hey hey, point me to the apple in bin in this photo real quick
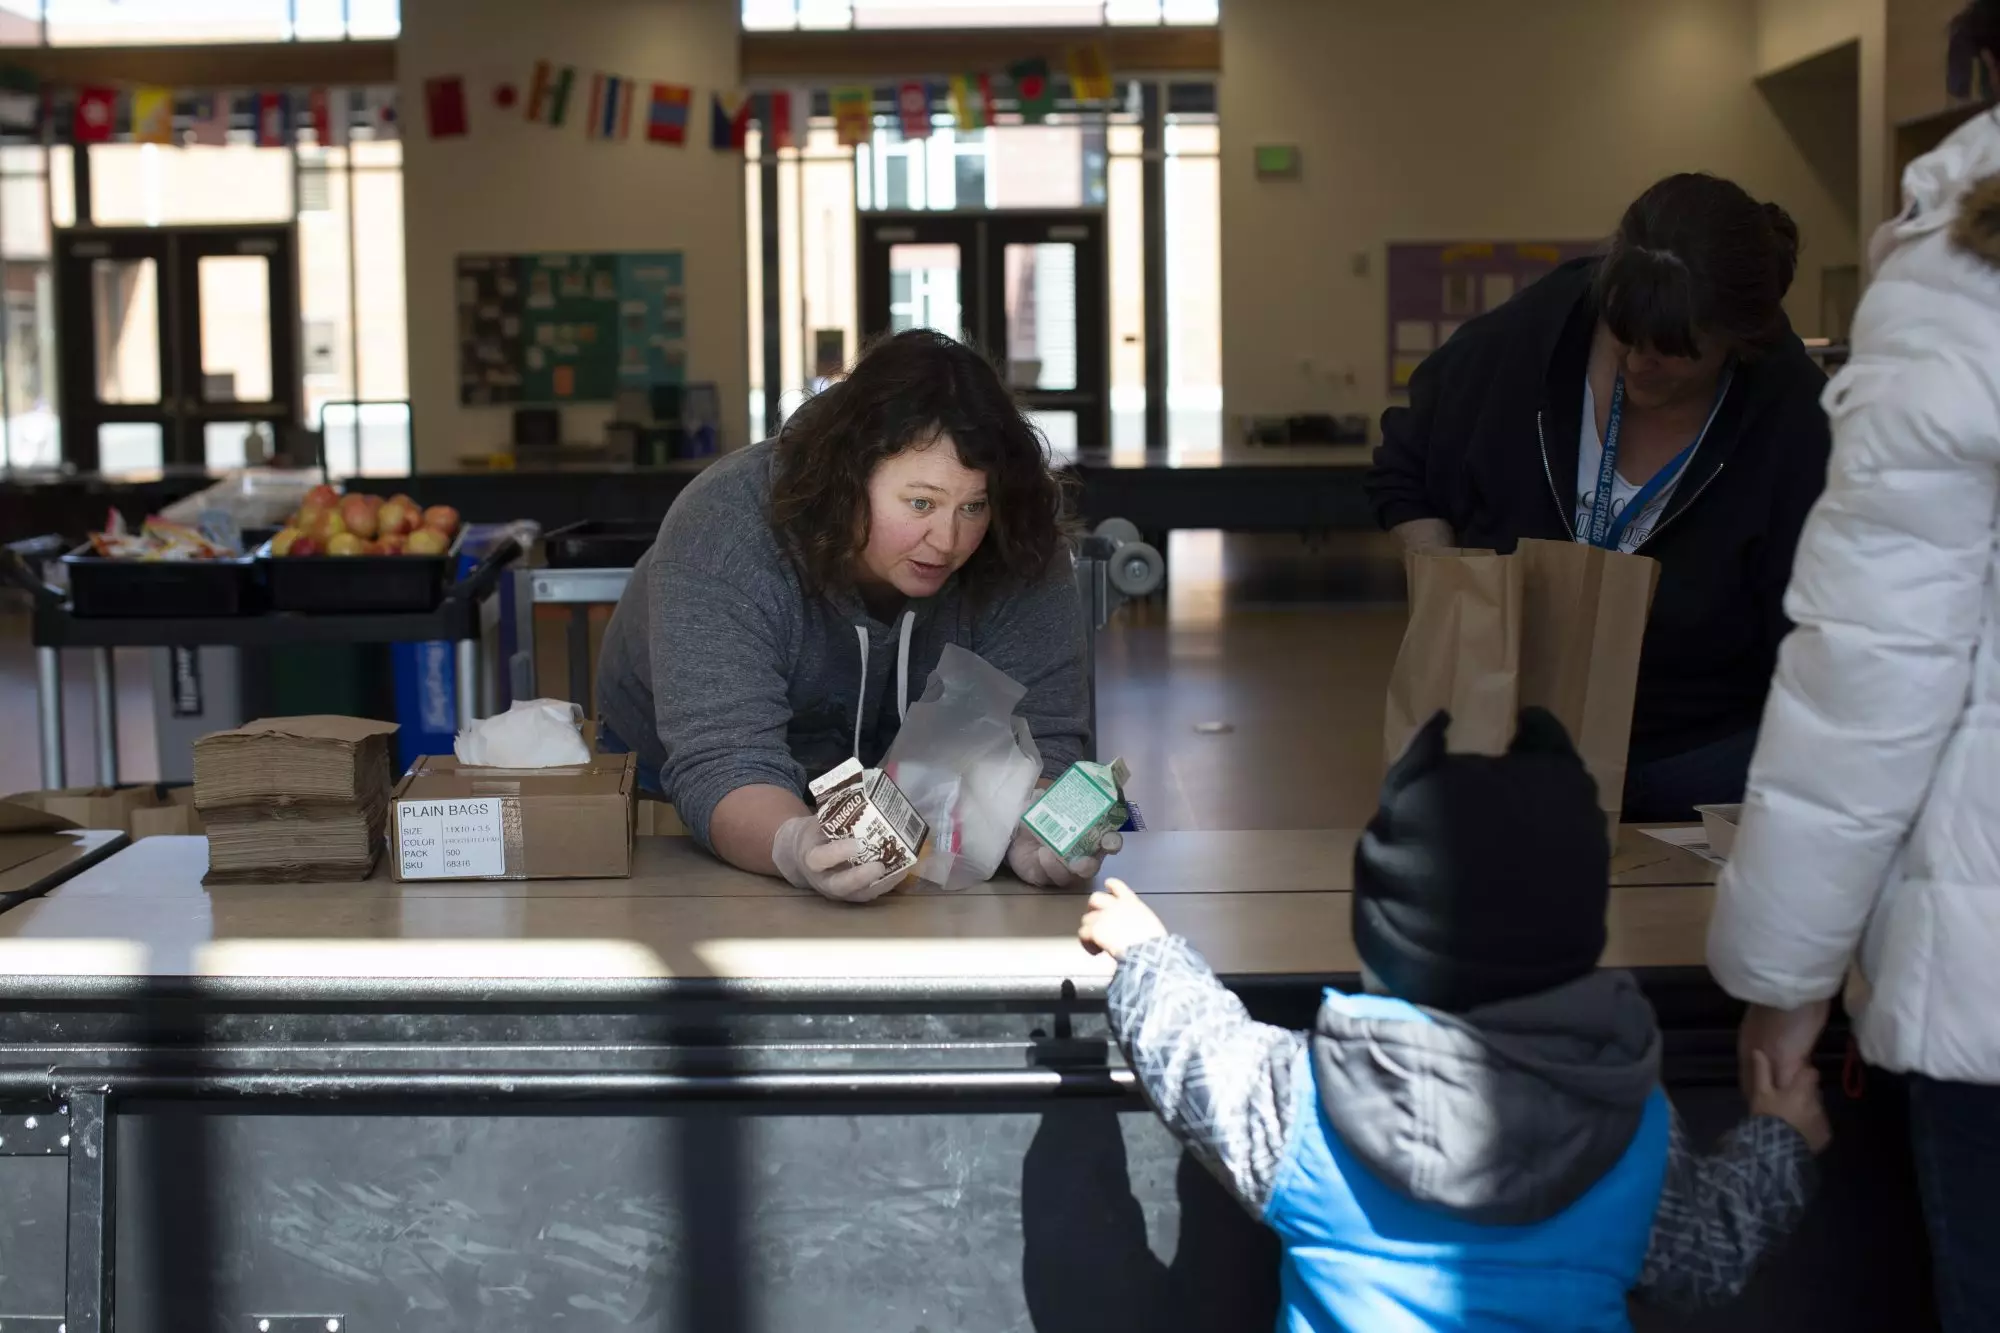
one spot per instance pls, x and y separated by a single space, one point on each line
442 518
399 516
346 543
306 544
286 539
359 515
427 541
390 543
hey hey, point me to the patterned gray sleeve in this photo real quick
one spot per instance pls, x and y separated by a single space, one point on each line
1721 1214
1222 1082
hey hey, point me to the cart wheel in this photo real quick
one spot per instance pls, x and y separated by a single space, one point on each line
1118 531
1137 569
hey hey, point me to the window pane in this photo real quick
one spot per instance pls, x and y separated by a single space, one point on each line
770 15
1041 316
327 352
20 23
130 446
1059 428
29 381
1192 11
374 18
977 13
317 20
235 296
381 305
125 315
148 185
62 186
24 218
825 14
1125 244
153 22
923 289
224 443
1194 302
371 441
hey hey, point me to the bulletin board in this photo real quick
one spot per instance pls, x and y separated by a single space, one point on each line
1436 286
569 328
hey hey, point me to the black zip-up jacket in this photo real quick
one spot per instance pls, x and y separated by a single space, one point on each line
1489 444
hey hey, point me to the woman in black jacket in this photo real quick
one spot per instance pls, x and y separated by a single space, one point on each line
1655 400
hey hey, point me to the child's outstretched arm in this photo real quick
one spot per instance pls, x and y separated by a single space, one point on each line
1720 1215
1222 1082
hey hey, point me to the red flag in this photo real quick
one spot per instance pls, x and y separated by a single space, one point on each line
274 120
779 127
444 106
913 105
96 112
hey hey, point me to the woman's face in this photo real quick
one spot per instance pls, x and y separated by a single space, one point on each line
1654 380
927 514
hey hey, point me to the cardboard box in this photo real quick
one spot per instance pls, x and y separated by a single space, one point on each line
1719 823
862 803
450 821
92 807
1080 807
174 817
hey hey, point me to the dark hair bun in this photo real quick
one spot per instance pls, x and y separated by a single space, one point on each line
1697 258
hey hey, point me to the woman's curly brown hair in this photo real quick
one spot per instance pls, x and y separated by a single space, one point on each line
905 391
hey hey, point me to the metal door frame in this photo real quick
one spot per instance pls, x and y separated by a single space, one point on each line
982 239
182 412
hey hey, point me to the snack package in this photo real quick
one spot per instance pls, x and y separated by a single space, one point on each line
1080 808
863 804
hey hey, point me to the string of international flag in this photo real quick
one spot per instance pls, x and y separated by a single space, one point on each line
556 96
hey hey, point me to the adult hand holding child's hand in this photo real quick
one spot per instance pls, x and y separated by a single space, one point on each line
1796 1101
1117 920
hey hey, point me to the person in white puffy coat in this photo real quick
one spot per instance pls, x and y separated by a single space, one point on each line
1869 851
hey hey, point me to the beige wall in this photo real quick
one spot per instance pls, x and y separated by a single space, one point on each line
1467 119
1789 31
511 186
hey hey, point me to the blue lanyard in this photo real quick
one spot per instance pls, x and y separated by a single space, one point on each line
1608 532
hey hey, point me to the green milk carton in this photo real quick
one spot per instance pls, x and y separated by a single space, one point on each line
1080 807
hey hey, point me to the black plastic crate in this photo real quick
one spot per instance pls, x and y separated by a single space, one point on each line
599 544
108 586
375 584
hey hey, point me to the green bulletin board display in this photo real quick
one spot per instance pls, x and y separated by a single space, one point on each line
569 328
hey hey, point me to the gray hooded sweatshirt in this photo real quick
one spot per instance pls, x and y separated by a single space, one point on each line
719 670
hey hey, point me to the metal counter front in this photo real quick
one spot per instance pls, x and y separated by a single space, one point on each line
701 1100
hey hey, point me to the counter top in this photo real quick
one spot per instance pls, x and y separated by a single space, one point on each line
71 853
1257 904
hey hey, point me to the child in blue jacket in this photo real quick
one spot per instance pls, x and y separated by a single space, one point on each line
1481 1141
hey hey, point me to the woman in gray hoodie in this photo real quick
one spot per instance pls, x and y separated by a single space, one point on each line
801 589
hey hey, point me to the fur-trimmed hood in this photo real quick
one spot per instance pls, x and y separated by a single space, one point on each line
1976 229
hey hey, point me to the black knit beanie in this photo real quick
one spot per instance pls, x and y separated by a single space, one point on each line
1483 879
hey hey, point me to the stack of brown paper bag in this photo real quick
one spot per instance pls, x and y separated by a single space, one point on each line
294 799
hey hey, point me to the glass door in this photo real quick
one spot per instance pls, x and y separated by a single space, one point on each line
174 343
1029 289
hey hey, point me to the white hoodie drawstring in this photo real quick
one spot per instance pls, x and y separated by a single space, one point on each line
902 676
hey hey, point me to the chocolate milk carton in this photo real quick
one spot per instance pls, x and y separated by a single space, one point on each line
1080 807
863 804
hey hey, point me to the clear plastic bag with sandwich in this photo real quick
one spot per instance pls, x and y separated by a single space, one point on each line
968 765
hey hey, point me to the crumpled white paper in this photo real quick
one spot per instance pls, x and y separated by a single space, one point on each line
534 733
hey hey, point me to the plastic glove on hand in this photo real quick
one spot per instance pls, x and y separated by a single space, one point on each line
808 859
1034 862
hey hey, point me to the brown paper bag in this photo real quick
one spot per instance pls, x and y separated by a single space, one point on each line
1461 652
1585 622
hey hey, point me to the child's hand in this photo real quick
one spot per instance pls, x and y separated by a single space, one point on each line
1117 920
1797 1103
